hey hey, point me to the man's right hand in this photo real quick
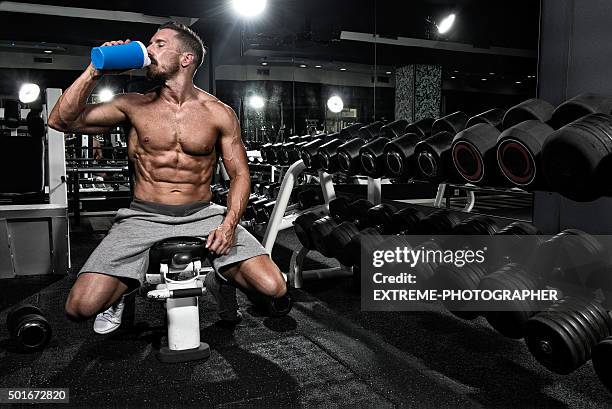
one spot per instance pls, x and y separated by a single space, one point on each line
95 73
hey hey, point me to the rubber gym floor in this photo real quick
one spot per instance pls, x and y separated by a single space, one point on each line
326 353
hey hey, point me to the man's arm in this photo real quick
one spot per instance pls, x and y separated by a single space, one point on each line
236 164
71 113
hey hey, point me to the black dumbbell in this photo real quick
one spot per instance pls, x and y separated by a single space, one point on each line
328 155
452 123
531 109
302 225
309 198
270 306
394 129
474 152
493 117
372 157
421 128
562 337
437 222
433 157
28 327
576 158
399 156
318 232
338 240
348 152
465 278
602 356
513 315
351 131
380 217
578 107
519 152
309 152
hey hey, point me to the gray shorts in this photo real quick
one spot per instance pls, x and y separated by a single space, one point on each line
124 252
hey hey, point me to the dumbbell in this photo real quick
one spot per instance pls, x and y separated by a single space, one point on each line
434 158
255 200
312 230
265 152
476 225
349 152
562 337
452 123
271 190
493 117
519 153
372 155
530 110
399 156
421 128
328 154
28 328
578 107
309 198
465 278
602 356
511 320
269 306
436 223
350 132
309 152
274 152
474 153
576 158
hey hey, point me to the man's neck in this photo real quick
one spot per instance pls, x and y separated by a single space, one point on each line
177 90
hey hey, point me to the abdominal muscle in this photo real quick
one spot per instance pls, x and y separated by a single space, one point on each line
173 178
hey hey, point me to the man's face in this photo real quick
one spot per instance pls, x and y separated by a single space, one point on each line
165 52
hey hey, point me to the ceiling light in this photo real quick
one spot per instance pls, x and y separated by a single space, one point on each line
249 8
29 93
483 79
48 51
342 69
388 73
264 63
446 24
335 104
453 77
303 65
256 102
105 95
317 66
518 82
491 73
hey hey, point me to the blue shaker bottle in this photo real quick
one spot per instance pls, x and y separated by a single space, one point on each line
132 55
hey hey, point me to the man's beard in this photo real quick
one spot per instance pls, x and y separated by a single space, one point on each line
154 73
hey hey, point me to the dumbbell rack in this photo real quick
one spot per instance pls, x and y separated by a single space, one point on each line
278 221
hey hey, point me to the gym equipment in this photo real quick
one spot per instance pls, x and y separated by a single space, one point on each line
309 151
338 240
328 155
512 321
289 151
265 152
271 190
562 337
531 109
394 129
602 356
451 277
250 212
309 198
339 209
380 217
476 225
434 156
437 222
399 156
28 328
302 225
519 229
452 123
491 117
351 131
421 128
372 157
367 239
568 260
273 153
576 158
349 152
403 221
519 150
174 267
12 113
263 211
358 212
579 106
474 153
319 230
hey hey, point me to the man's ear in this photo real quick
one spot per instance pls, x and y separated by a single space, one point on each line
187 58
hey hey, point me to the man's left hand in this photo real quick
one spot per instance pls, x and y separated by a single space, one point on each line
221 239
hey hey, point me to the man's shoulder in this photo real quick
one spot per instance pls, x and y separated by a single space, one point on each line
133 99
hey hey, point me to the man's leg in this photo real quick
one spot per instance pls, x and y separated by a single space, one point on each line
93 293
259 274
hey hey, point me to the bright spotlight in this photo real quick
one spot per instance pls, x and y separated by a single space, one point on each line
29 93
446 24
249 8
335 104
256 102
105 95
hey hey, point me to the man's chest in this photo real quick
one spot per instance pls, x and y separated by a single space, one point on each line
188 130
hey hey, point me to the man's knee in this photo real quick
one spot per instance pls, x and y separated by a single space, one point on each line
273 284
80 308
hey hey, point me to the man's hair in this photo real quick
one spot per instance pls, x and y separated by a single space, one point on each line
189 39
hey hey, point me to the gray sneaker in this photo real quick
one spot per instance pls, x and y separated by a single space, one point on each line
110 320
225 296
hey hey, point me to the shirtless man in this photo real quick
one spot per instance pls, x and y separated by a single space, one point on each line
173 144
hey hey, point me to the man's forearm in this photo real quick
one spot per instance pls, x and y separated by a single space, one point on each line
72 102
237 199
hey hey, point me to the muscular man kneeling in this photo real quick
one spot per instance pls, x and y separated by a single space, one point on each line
176 131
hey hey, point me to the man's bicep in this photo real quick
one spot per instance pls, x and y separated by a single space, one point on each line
233 152
99 117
